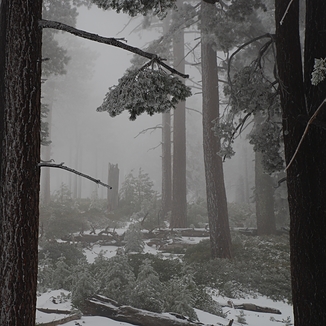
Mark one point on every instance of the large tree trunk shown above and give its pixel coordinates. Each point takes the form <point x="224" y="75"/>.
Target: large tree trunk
<point x="179" y="187"/>
<point x="306" y="176"/>
<point x="215" y="189"/>
<point x="20" y="154"/>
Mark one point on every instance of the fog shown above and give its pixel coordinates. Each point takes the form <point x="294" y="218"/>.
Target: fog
<point x="88" y="141"/>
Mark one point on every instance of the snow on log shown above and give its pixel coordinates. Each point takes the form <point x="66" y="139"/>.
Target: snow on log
<point x="62" y="321"/>
<point x="101" y="306"/>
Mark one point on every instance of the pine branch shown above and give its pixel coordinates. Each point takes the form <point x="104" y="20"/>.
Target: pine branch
<point x="61" y="166"/>
<point x="267" y="35"/>
<point x="107" y="40"/>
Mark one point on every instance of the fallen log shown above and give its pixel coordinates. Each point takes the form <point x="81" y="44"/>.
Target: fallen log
<point x="101" y="306"/>
<point x="254" y="307"/>
<point x="108" y="239"/>
<point x="62" y="321"/>
<point x="54" y="311"/>
<point x="170" y="233"/>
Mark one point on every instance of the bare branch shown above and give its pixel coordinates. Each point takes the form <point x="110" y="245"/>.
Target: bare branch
<point x="191" y="109"/>
<point x="147" y="129"/>
<point x="152" y="148"/>
<point x="107" y="40"/>
<point x="61" y="166"/>
<point x="313" y="117"/>
<point x="286" y="11"/>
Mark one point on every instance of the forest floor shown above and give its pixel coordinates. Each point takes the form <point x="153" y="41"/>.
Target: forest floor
<point x="59" y="300"/>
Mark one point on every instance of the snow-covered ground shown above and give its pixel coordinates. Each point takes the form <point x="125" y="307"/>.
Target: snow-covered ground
<point x="46" y="300"/>
<point x="59" y="299"/>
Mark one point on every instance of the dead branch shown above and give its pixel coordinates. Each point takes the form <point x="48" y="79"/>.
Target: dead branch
<point x="107" y="40"/>
<point x="305" y="132"/>
<point x="159" y="126"/>
<point x="63" y="167"/>
<point x="286" y="11"/>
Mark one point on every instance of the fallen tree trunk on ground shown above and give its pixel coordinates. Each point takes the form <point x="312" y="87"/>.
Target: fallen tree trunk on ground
<point x="62" y="321"/>
<point x="54" y="311"/>
<point x="253" y="307"/>
<point x="105" y="307"/>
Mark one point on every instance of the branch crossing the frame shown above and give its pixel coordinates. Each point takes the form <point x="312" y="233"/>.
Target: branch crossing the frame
<point x="63" y="167"/>
<point x="107" y="40"/>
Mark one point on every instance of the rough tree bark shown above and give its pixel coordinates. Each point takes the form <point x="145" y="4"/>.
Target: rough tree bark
<point x="220" y="237"/>
<point x="179" y="186"/>
<point x="20" y="154"/>
<point x="306" y="176"/>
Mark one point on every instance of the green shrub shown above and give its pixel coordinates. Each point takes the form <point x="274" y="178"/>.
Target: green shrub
<point x="258" y="264"/>
<point x="55" y="250"/>
<point x="166" y="268"/>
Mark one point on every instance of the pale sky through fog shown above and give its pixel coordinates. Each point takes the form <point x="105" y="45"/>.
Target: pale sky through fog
<point x="103" y="139"/>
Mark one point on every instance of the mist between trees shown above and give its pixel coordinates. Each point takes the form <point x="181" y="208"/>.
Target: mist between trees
<point x="216" y="79"/>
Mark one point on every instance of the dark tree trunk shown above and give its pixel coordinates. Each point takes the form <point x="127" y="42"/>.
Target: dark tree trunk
<point x="20" y="154"/>
<point x="179" y="187"/>
<point x="215" y="189"/>
<point x="113" y="181"/>
<point x="306" y="177"/>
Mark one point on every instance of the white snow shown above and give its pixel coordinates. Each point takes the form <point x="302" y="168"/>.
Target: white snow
<point x="251" y="318"/>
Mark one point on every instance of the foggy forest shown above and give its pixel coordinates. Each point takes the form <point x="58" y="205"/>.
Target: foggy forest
<point x="162" y="162"/>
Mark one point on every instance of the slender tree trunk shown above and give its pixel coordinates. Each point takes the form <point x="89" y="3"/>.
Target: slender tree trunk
<point x="306" y="177"/>
<point x="166" y="150"/>
<point x="166" y="164"/>
<point x="20" y="154"/>
<point x="179" y="187"/>
<point x="113" y="181"/>
<point x="264" y="193"/>
<point x="215" y="189"/>
<point x="46" y="150"/>
<point x="264" y="197"/>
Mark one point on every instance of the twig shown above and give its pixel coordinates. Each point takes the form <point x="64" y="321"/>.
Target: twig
<point x="286" y="12"/>
<point x="305" y="132"/>
<point x="61" y="166"/>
